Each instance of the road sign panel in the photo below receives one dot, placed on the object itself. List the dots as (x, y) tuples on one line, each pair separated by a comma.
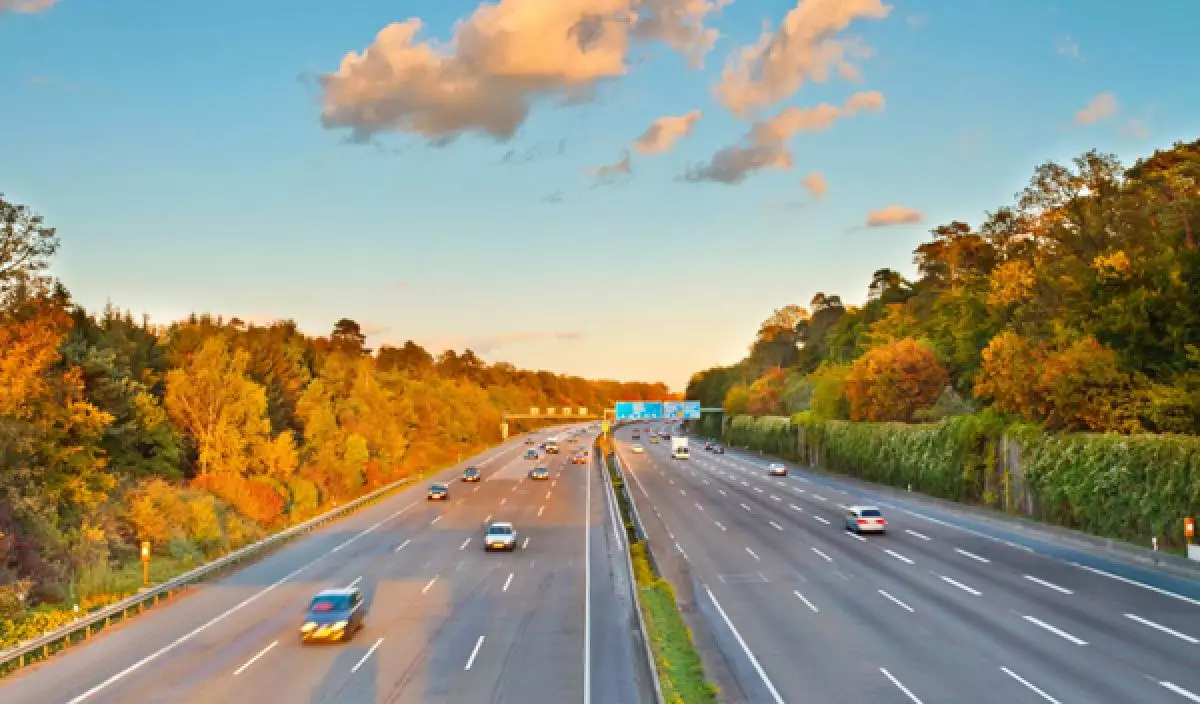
[(681, 410), (639, 410)]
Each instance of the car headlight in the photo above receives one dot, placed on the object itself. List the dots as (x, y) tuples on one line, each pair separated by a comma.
[(307, 627), (339, 625)]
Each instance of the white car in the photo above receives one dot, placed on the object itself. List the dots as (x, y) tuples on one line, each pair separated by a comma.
[(776, 469), (865, 519), (637, 449)]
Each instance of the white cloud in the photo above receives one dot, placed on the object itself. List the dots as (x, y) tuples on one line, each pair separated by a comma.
[(893, 215), (25, 5), (611, 173), (1101, 107), (765, 145), (1068, 47), (1135, 127), (816, 184), (806, 47), (663, 134), (501, 60)]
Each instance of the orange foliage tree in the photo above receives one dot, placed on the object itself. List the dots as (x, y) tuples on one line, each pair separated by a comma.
[(894, 381), (766, 394)]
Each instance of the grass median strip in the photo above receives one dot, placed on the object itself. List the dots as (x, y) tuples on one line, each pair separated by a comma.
[(680, 671)]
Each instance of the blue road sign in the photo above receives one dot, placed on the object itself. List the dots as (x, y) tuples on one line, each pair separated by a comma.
[(681, 410), (639, 410)]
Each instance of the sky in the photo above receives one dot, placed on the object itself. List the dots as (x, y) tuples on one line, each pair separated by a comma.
[(610, 188)]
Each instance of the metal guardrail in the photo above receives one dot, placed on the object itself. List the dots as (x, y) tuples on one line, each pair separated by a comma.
[(633, 586), (59, 639)]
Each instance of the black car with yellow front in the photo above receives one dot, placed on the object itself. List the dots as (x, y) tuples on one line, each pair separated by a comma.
[(334, 615)]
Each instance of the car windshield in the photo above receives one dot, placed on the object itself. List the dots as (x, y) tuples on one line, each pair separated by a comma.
[(500, 530), (326, 603), (438, 487)]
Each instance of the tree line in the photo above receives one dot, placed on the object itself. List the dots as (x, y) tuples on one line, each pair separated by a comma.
[(1075, 308), (208, 433)]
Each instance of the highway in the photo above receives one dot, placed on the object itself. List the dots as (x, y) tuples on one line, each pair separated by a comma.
[(447, 622), (787, 606)]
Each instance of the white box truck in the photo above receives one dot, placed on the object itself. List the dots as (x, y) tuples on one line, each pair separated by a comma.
[(679, 448)]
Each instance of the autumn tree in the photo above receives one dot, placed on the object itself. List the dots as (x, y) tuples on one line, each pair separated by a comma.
[(766, 393), (895, 380), (26, 246)]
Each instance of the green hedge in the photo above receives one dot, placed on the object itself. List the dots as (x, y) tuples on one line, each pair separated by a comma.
[(1124, 487)]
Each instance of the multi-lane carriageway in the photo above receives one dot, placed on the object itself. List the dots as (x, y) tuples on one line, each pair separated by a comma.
[(790, 607), (552, 622), (786, 606)]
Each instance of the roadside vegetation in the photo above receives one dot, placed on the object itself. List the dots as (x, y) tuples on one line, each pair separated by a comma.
[(680, 670), (205, 434), (1045, 362)]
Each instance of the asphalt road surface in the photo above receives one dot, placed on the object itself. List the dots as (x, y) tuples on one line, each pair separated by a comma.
[(790, 607), (447, 622)]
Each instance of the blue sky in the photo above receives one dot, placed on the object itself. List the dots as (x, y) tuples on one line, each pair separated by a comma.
[(180, 150)]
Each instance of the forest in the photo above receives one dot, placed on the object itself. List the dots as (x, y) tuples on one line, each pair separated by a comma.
[(1076, 308), (1045, 362), (208, 433)]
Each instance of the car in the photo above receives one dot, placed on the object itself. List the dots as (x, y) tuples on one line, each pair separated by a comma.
[(531, 454), (439, 492), (551, 447), (539, 473), (776, 469), (719, 449), (865, 519), (530, 441), (471, 474), (500, 536), (334, 615), (579, 458), (638, 449), (708, 446)]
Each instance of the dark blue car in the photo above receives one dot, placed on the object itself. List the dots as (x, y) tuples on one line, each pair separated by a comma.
[(334, 615)]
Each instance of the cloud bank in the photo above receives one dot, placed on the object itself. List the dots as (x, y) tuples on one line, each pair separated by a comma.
[(765, 145), (805, 47), (501, 60)]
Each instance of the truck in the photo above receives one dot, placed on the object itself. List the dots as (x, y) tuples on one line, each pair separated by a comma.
[(679, 448)]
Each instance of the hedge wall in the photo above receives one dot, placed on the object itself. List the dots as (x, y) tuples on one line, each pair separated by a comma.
[(1124, 487)]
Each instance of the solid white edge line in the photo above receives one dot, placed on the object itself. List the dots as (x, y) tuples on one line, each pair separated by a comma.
[(190, 634), (1180, 691), (912, 697), (587, 589), (1055, 630), (254, 659), (745, 648), (364, 657), (895, 601), (1134, 582), (1048, 585), (972, 555), (1164, 629), (1029, 685), (807, 603), (474, 652)]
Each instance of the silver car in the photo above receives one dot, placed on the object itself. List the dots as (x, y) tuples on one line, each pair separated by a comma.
[(500, 536), (865, 519), (776, 469)]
